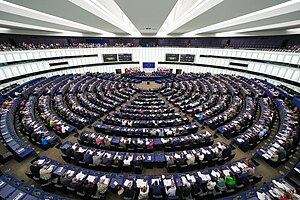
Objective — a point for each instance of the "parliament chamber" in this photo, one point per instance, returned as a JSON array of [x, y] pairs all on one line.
[[146, 100], [95, 134]]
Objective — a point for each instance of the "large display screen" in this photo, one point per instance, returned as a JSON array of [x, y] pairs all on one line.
[[187, 58], [172, 57], [125, 57], [148, 64], [110, 58]]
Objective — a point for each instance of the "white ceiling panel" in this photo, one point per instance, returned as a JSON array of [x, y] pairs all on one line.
[[226, 10], [147, 13], [67, 10]]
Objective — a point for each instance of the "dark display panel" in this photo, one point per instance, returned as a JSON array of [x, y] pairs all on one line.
[[172, 57], [125, 57], [187, 58], [110, 58], [118, 71]]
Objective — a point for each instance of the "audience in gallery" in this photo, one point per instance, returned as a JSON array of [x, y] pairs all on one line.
[[33, 46]]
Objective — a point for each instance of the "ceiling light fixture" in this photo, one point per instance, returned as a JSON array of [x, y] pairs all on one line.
[[37, 15], [277, 10], [174, 21]]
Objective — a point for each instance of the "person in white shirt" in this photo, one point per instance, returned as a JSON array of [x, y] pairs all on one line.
[[210, 185], [124, 122], [144, 192], [64, 128], [129, 123], [127, 161], [201, 156], [190, 159], [169, 132], [171, 192]]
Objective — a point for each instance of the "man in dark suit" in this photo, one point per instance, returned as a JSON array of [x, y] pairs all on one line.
[[87, 158], [78, 156], [129, 192], [69, 152], [226, 152], [170, 161], [196, 187], [35, 169], [138, 161], [186, 190], [181, 160], [106, 160], [76, 183], [65, 180], [117, 161], [156, 189]]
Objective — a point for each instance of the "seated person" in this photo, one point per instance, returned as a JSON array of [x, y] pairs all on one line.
[[177, 132], [153, 132], [122, 144], [96, 159], [170, 161], [221, 181], [150, 145], [44, 141], [76, 184], [186, 190], [129, 191], [35, 169], [242, 178], [65, 180], [282, 153], [156, 189], [275, 157], [169, 132], [190, 159], [226, 152], [88, 188], [160, 132], [249, 163], [210, 185], [230, 180], [138, 161], [127, 161], [181, 161], [107, 142], [45, 173], [69, 152], [88, 157], [196, 186], [101, 187], [106, 161], [78, 156], [171, 191], [117, 161], [144, 192], [98, 140]]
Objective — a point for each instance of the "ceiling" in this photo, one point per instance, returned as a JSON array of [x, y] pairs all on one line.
[[150, 18]]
